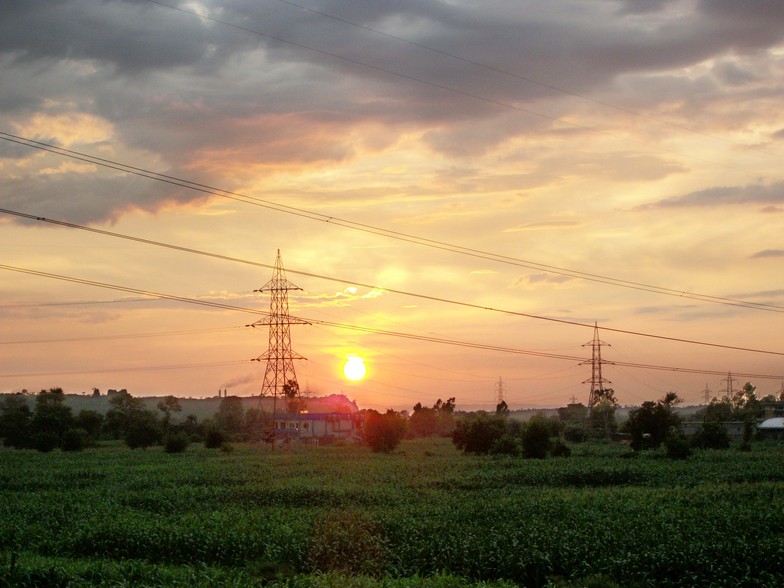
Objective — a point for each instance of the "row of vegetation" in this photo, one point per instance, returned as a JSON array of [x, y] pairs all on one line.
[[50, 424], [426, 515]]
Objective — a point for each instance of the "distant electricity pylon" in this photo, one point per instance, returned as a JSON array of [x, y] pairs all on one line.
[[729, 393], [708, 393], [280, 379], [499, 388], [597, 381]]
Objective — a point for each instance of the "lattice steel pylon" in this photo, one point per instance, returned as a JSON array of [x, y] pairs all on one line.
[[597, 381], [279, 375]]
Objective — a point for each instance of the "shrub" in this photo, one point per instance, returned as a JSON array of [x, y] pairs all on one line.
[[479, 434], [536, 438], [46, 441], [383, 432], [75, 440], [560, 449], [214, 439], [677, 446], [507, 445], [176, 442], [575, 433], [711, 435]]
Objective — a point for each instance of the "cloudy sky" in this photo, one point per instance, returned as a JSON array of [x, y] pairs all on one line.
[[498, 175]]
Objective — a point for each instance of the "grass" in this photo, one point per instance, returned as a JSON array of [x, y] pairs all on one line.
[[425, 516]]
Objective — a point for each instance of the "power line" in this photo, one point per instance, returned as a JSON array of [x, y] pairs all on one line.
[[116, 337], [435, 244], [353, 282], [127, 369], [410, 336]]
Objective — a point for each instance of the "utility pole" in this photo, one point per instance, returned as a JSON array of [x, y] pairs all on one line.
[[279, 375], [597, 381]]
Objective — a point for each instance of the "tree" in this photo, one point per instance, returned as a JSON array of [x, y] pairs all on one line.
[[502, 409], [124, 408], [601, 419], [52, 418], [423, 422], [718, 411], [711, 435], [650, 424], [167, 406], [230, 417], [383, 432], [15, 417], [91, 421], [536, 437], [480, 433], [142, 429]]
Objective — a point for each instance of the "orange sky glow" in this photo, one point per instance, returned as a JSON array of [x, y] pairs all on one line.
[[460, 192]]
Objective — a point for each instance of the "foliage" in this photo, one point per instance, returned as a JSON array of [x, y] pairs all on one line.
[[677, 446], [176, 442], [439, 420], [536, 437], [167, 406], [601, 418], [15, 422], [431, 517], [650, 424], [383, 432], [575, 433], [142, 430], [711, 435], [560, 449], [75, 440], [214, 439], [479, 433], [573, 414], [230, 417]]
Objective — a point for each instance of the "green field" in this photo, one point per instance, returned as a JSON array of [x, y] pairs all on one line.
[[425, 515]]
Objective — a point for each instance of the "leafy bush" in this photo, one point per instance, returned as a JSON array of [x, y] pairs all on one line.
[[214, 439], [75, 440], [507, 444], [383, 432], [560, 449], [711, 435], [46, 441], [575, 433], [479, 434], [536, 438], [176, 442], [677, 446]]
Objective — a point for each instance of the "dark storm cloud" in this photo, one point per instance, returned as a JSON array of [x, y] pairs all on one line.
[[726, 195], [282, 85]]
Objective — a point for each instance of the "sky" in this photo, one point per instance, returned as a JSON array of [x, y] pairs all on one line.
[[489, 180]]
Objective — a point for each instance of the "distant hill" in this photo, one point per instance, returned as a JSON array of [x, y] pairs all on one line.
[[203, 408]]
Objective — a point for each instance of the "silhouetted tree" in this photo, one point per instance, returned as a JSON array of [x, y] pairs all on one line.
[[479, 433], [91, 422], [52, 418], [15, 417], [142, 429], [536, 437], [230, 417], [650, 424], [167, 406], [383, 432]]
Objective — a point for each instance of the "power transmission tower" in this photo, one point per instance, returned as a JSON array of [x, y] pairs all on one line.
[[597, 381], [500, 390], [280, 379], [707, 392], [729, 393]]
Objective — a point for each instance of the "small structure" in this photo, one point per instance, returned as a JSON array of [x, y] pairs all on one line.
[[772, 428], [317, 428]]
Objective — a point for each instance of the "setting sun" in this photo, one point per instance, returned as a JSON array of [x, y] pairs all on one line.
[[354, 369]]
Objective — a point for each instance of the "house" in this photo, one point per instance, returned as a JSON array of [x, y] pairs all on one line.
[[317, 428]]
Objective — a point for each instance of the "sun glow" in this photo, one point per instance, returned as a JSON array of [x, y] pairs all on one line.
[[354, 369]]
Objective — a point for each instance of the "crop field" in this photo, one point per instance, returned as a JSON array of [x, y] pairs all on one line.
[[425, 516]]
